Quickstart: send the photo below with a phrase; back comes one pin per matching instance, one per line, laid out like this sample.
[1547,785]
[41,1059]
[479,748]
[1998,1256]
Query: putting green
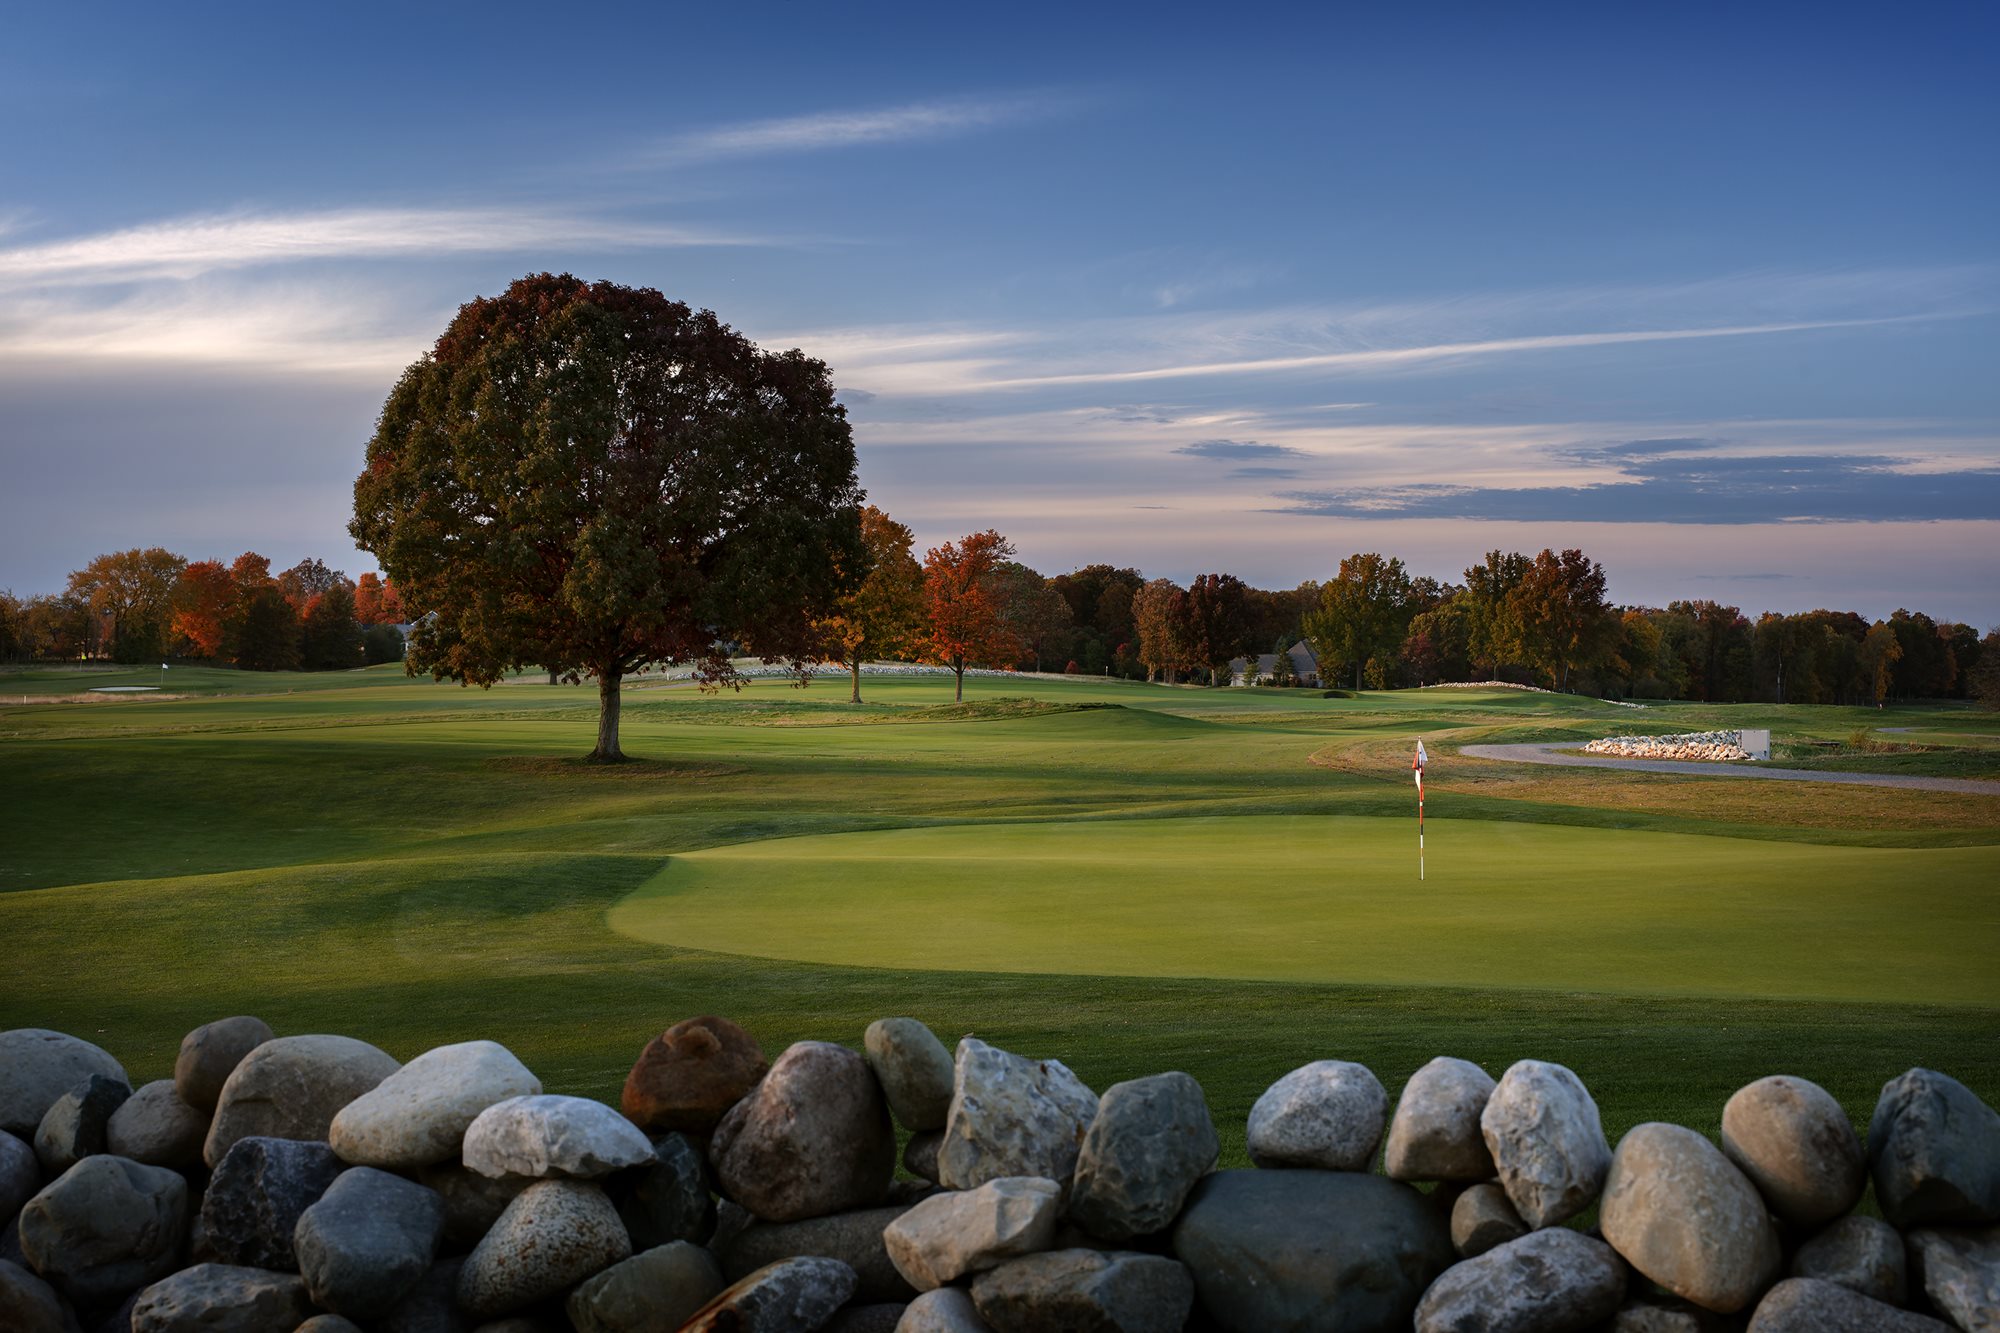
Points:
[1337,899]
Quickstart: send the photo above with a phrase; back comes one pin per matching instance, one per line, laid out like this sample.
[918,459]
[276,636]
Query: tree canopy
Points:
[594,478]
[964,606]
[884,614]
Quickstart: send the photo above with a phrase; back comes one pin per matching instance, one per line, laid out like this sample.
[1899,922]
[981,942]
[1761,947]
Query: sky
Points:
[1711,293]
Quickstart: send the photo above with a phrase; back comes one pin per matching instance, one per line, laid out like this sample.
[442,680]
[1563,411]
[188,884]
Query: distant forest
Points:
[1538,619]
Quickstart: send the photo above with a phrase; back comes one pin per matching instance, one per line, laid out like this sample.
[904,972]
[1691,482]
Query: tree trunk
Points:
[552,677]
[854,667]
[958,677]
[607,751]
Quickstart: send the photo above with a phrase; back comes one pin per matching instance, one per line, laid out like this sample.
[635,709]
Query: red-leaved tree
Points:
[964,607]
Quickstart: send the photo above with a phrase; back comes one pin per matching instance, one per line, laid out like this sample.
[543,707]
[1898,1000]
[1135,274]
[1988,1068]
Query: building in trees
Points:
[1364,613]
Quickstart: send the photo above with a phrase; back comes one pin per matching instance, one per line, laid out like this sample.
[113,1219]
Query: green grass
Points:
[1337,900]
[1171,881]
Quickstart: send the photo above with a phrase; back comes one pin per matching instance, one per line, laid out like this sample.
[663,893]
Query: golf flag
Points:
[1417,767]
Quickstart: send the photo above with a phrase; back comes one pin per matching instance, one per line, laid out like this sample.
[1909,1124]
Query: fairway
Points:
[1131,877]
[1337,900]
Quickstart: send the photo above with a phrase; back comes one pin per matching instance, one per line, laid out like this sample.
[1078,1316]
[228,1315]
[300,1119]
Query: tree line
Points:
[149,604]
[1536,620]
[1540,620]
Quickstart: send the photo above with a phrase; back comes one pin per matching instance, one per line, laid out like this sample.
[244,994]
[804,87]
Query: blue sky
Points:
[1710,294]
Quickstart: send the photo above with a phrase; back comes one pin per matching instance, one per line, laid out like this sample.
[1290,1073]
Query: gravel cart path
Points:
[1551,754]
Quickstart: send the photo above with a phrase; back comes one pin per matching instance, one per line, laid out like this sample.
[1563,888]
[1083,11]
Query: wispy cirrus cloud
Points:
[820,130]
[178,249]
[1237,450]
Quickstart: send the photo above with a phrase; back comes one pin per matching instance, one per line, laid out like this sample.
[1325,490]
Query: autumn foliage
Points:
[964,606]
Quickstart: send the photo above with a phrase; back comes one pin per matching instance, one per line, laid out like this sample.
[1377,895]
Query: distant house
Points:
[1305,667]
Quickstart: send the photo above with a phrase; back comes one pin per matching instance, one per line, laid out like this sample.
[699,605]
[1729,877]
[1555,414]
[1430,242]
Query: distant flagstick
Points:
[1417,765]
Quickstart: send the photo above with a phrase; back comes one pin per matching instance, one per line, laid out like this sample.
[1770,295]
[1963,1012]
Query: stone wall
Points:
[1698,746]
[313,1183]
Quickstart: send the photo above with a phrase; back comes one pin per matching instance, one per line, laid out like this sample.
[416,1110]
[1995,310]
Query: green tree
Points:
[1984,677]
[1036,613]
[330,636]
[1364,612]
[132,593]
[884,615]
[1215,624]
[1493,627]
[266,633]
[593,478]
[1564,622]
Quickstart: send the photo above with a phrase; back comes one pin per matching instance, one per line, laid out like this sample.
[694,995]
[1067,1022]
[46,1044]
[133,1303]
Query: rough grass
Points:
[416,864]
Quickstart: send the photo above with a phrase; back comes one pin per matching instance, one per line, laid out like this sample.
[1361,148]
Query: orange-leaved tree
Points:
[964,612]
[376,601]
[204,597]
[884,615]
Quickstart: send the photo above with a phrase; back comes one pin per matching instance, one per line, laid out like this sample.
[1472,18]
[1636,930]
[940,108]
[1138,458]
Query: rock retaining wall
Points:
[313,1183]
[1692,745]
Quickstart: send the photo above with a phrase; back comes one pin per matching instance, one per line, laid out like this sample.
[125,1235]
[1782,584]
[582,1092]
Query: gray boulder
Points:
[950,1235]
[1275,1250]
[219,1298]
[367,1241]
[1640,1316]
[812,1138]
[655,1291]
[552,1236]
[20,1175]
[856,1239]
[1960,1272]
[1085,1290]
[74,1127]
[105,1228]
[946,1310]
[156,1127]
[1328,1114]
[291,1088]
[1012,1116]
[418,1115]
[210,1054]
[1798,1148]
[30,1305]
[545,1137]
[37,1067]
[1863,1254]
[259,1191]
[328,1323]
[1934,1149]
[669,1200]
[431,1306]
[1808,1305]
[1683,1215]
[1434,1134]
[790,1296]
[920,1155]
[1549,1281]
[1481,1218]
[1151,1140]
[1547,1141]
[472,1202]
[915,1071]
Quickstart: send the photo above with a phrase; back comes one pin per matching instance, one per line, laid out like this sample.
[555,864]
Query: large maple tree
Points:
[594,478]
